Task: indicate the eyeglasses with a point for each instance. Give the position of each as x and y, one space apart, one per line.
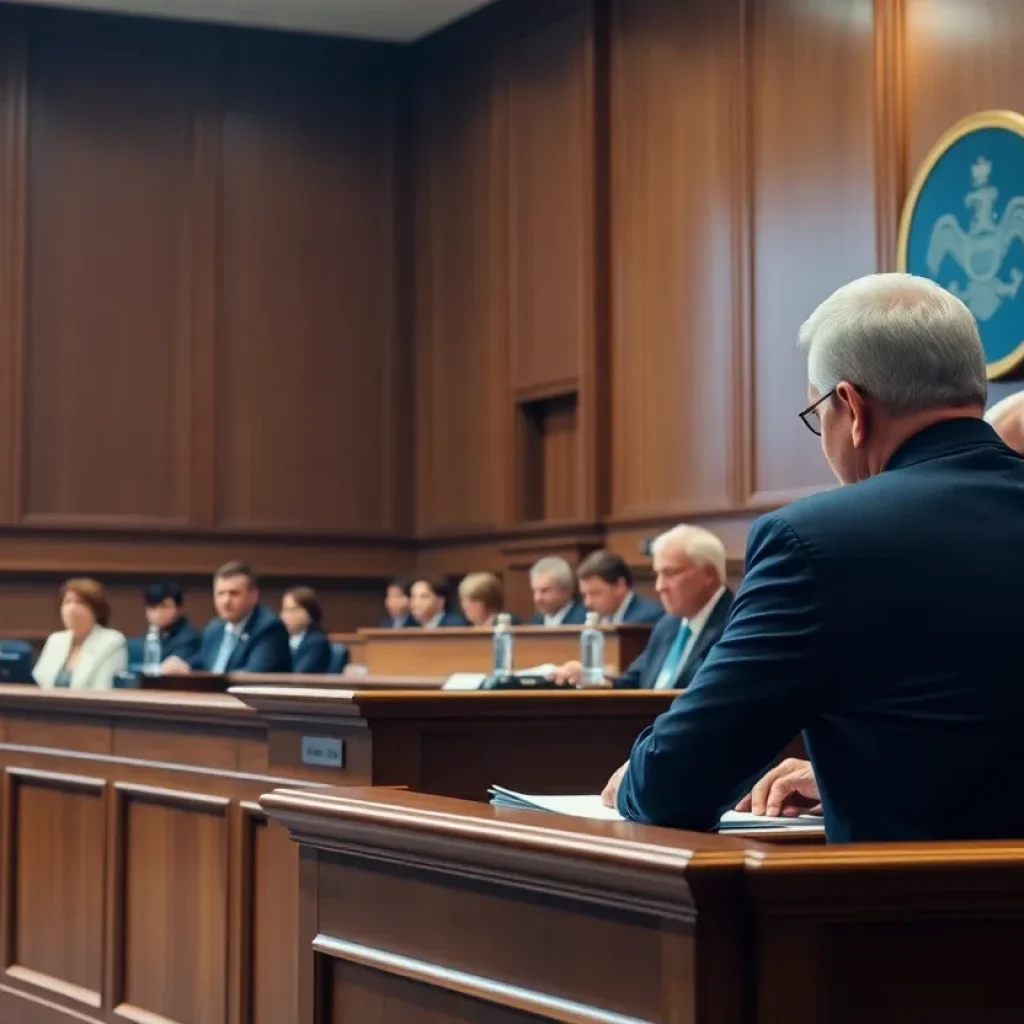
811 416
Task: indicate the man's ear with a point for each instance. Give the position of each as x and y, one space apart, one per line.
858 410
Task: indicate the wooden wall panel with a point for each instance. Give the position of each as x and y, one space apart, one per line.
106 392
960 57
56 886
461 298
813 137
551 203
306 365
676 178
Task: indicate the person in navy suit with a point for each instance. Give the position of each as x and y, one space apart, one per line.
429 604
165 610
554 594
302 615
245 636
606 586
790 788
689 568
396 601
877 618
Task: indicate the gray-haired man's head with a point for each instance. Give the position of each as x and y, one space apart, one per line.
553 584
888 355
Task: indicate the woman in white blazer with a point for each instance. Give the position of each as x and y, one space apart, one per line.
86 655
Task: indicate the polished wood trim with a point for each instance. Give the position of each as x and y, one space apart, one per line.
57 780
45 1005
55 986
137 1015
890 126
172 797
487 990
300 702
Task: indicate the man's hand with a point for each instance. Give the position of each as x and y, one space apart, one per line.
610 794
787 790
174 666
568 674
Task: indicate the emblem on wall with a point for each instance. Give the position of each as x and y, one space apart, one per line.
963 227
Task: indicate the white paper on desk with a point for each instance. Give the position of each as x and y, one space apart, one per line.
576 806
464 681
590 806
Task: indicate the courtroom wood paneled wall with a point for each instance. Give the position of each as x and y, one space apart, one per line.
528 286
201 353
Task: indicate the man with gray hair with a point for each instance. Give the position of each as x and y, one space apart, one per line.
877 617
554 594
689 571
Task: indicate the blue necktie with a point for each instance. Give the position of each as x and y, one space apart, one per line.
674 659
227 648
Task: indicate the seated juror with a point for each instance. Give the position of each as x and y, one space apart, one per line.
165 610
86 654
689 569
877 617
429 604
606 586
396 602
302 615
482 598
554 594
244 637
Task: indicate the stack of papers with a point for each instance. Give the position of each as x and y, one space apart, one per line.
590 806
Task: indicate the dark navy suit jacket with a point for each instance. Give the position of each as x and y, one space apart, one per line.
263 648
182 640
575 616
643 673
408 622
642 610
313 655
882 620
452 620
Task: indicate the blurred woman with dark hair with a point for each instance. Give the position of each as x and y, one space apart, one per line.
301 613
85 655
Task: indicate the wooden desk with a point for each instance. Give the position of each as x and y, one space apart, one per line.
142 880
432 911
333 681
139 870
459 743
440 652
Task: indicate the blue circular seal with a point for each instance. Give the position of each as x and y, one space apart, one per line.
963 227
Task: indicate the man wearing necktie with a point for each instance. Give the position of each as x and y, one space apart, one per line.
689 567
244 637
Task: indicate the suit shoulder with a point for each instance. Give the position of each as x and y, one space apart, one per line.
112 637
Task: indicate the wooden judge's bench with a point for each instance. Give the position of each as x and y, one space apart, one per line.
423 910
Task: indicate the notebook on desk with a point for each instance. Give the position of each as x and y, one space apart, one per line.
590 806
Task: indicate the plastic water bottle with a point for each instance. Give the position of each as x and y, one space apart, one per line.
504 643
592 651
151 653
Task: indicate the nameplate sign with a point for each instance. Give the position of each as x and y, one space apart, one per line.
323 752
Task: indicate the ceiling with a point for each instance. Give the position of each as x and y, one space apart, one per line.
395 20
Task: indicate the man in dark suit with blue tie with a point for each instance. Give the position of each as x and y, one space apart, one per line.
554 594
880 617
245 636
689 569
606 586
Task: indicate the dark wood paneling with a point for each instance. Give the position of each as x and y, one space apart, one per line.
549 85
106 390
676 196
200 354
305 373
813 136
461 297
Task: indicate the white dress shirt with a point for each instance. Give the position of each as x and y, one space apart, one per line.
558 617
620 612
698 622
